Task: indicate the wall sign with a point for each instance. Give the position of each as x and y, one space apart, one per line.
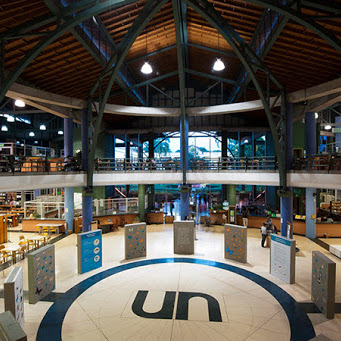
282 258
89 246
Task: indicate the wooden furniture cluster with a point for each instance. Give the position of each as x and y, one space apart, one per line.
29 225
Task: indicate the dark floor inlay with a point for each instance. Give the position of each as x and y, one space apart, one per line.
51 326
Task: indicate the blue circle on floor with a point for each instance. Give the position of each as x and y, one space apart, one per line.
51 326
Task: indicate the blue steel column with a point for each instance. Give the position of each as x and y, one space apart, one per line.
224 187
109 153
68 191
184 192
127 158
310 193
86 200
287 202
310 134
270 194
338 135
84 131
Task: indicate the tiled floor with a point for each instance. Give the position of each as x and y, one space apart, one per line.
249 312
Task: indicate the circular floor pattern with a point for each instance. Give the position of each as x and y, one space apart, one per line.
171 299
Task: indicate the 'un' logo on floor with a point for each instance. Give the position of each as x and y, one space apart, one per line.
166 312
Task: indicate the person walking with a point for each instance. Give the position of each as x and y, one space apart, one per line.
264 232
245 216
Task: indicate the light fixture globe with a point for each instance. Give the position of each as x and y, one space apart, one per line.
146 68
42 127
218 65
328 127
4 128
19 103
31 134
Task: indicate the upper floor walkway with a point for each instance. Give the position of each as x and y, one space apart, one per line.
321 171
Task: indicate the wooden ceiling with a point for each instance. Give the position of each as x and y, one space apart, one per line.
299 58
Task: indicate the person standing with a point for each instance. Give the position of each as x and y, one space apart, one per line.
245 216
264 232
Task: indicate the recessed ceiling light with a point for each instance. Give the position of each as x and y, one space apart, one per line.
60 132
4 128
10 118
31 134
42 127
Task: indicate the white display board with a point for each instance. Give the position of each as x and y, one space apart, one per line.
14 294
282 258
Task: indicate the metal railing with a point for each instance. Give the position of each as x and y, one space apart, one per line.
321 162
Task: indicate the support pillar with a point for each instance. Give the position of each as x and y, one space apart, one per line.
287 201
109 154
151 196
270 193
338 135
139 148
310 134
232 195
68 191
184 161
86 213
141 199
36 193
84 131
184 202
253 154
310 202
127 157
310 221
224 156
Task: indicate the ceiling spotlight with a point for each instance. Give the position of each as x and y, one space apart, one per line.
60 132
146 68
218 65
10 118
328 127
19 103
316 115
246 141
42 127
35 142
31 134
4 128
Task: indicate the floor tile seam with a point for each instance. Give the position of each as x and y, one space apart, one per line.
205 322
92 321
126 305
260 327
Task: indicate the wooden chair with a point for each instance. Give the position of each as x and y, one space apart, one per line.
48 237
28 244
22 250
4 254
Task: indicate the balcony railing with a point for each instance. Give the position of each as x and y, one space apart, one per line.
325 162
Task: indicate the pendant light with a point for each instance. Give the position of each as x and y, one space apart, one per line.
146 67
19 103
218 64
